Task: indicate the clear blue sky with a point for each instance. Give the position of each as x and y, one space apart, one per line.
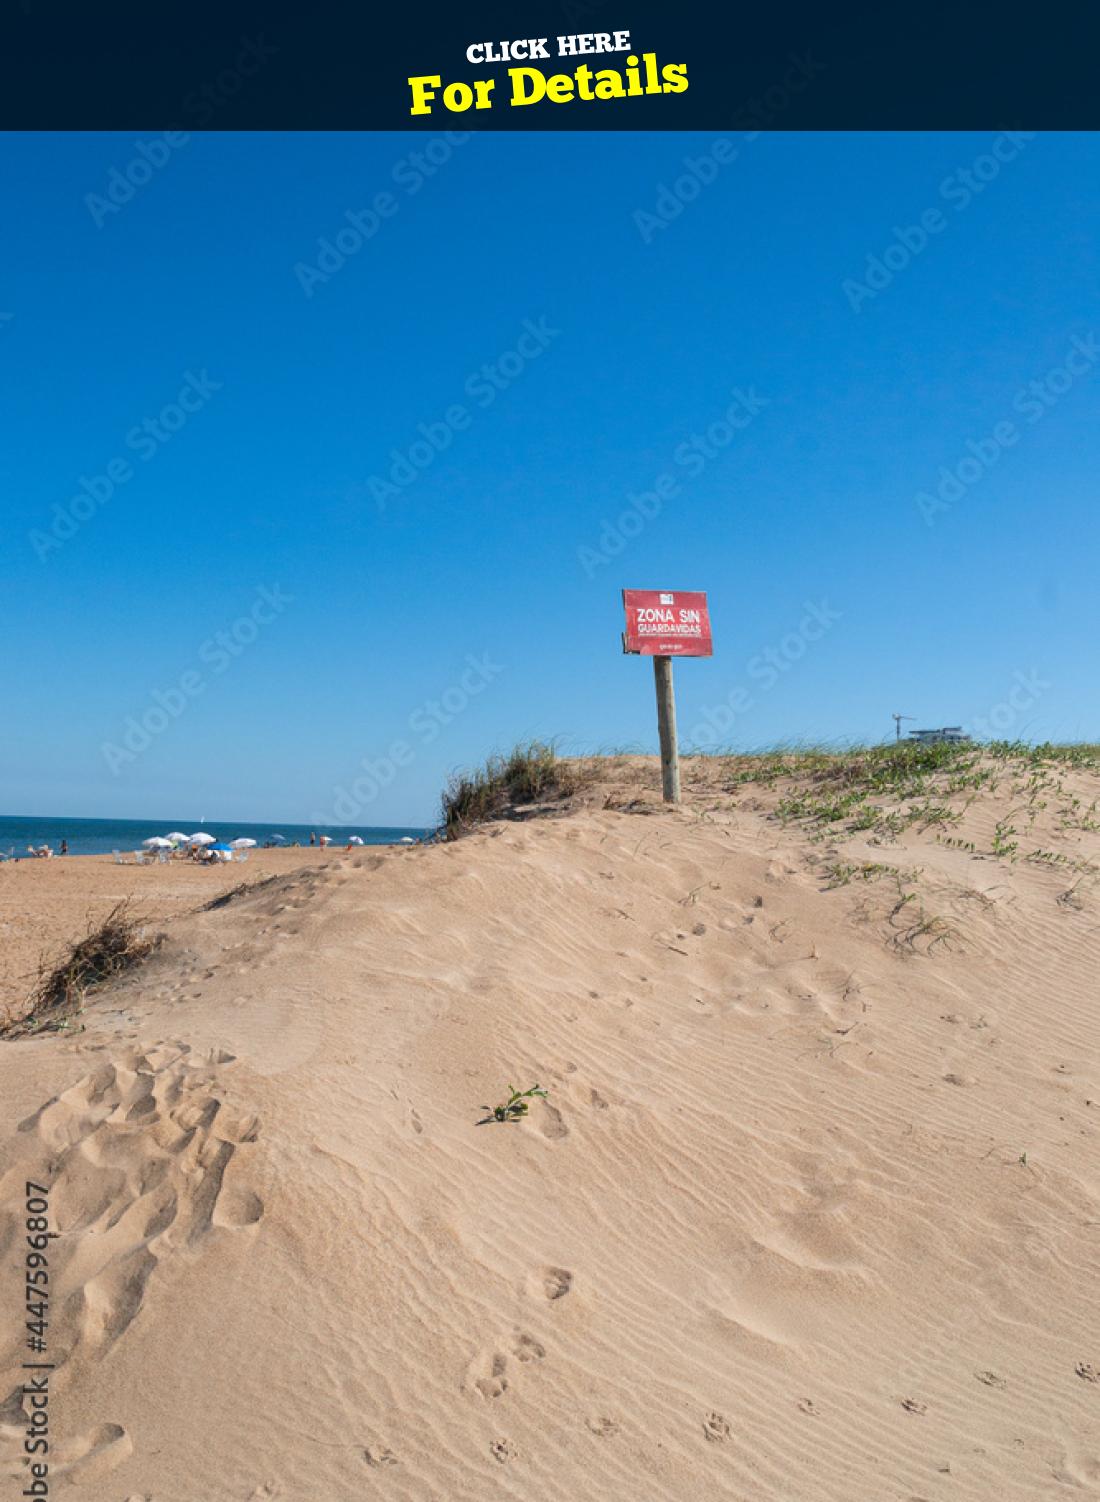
980 611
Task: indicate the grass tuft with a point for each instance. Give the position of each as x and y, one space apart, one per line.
115 944
530 773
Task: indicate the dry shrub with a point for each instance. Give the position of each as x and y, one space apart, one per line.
115 944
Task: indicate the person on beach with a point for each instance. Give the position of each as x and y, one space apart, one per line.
64 848
312 838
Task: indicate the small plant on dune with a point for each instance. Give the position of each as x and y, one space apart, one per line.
515 1106
956 844
842 872
1002 843
110 947
528 774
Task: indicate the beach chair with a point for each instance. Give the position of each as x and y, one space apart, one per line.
119 858
240 855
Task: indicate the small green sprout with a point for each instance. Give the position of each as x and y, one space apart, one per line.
515 1106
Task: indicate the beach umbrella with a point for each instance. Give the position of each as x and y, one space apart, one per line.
242 844
157 843
176 836
354 839
407 839
202 838
220 845
278 839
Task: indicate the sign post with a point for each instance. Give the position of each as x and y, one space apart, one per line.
663 624
666 729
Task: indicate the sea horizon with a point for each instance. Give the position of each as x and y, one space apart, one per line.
89 836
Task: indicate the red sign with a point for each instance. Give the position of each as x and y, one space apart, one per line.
667 622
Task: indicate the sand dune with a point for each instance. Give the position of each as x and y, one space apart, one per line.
812 1210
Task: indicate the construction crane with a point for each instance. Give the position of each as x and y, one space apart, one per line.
897 719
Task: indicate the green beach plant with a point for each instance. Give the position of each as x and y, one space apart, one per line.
515 1106
529 773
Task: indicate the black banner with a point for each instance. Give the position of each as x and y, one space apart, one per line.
556 65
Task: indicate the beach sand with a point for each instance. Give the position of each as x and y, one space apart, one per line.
45 904
812 1211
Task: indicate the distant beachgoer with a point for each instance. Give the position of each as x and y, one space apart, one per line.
64 847
312 838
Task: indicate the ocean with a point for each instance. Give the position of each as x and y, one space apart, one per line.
101 836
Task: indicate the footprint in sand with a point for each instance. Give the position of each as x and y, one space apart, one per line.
379 1458
92 1455
555 1282
502 1450
716 1427
139 1148
494 1370
236 1207
991 1379
549 1122
603 1425
495 1381
111 1300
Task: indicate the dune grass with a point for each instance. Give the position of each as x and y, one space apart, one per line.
531 772
111 946
890 787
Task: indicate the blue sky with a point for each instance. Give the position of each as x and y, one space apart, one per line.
474 600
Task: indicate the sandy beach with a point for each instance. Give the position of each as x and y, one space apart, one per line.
810 1212
45 904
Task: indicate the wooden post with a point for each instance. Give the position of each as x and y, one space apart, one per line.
666 729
